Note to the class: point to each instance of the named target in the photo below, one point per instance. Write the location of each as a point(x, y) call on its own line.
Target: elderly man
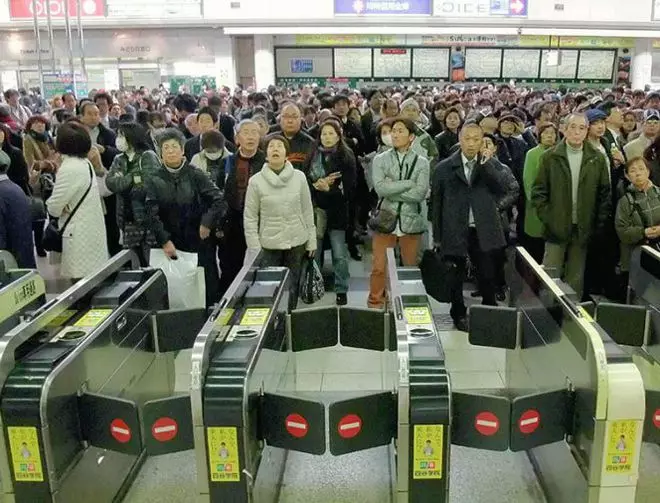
point(424, 145)
point(572, 198)
point(650, 129)
point(300, 143)
point(19, 113)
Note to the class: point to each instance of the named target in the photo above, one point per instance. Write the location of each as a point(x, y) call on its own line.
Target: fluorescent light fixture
point(368, 30)
point(436, 30)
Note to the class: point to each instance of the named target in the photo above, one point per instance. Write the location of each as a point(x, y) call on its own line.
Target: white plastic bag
point(185, 281)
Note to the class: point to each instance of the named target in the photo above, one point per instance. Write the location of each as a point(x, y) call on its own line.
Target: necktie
point(470, 167)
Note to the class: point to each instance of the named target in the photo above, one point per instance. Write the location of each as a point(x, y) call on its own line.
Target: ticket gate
point(21, 292)
point(74, 376)
point(245, 424)
point(574, 400)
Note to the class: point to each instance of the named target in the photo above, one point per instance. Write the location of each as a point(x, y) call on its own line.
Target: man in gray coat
point(466, 189)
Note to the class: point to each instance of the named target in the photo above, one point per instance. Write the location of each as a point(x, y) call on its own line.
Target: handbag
point(384, 220)
point(312, 287)
point(52, 239)
point(439, 275)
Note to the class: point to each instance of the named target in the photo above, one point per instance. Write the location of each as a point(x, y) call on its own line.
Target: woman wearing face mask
point(183, 206)
point(279, 216)
point(126, 178)
point(448, 139)
point(533, 239)
point(211, 159)
point(331, 170)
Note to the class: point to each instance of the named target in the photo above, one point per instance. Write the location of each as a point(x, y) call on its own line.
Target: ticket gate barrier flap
point(541, 326)
point(362, 423)
point(540, 419)
point(168, 425)
point(481, 421)
point(493, 326)
point(110, 423)
point(625, 324)
point(293, 424)
point(652, 421)
point(314, 328)
point(178, 328)
point(362, 328)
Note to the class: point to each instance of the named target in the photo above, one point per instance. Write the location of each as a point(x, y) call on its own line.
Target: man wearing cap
point(15, 219)
point(650, 129)
point(571, 195)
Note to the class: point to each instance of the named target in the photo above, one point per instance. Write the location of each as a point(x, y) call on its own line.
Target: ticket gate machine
point(21, 292)
point(574, 399)
point(245, 424)
point(73, 378)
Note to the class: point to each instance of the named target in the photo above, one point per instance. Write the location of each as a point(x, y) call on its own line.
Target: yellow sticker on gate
point(428, 451)
point(223, 454)
point(224, 317)
point(585, 314)
point(93, 318)
point(255, 316)
point(25, 455)
point(621, 447)
point(62, 318)
point(418, 315)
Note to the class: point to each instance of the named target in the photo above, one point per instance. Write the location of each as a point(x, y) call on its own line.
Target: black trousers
point(292, 259)
point(485, 263)
point(206, 257)
point(231, 252)
point(111, 227)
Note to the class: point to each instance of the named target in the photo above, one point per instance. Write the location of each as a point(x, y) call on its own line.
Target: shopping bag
point(185, 280)
point(439, 275)
point(312, 288)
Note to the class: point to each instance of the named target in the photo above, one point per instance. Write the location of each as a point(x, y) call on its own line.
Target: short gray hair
point(245, 122)
point(171, 134)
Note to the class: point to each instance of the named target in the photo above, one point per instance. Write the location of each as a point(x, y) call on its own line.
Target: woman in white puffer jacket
point(279, 216)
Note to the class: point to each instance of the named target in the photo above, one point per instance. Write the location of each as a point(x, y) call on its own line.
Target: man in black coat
point(185, 105)
point(466, 188)
point(104, 140)
point(370, 120)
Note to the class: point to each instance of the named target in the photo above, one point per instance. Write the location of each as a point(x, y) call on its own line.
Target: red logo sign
point(529, 421)
point(164, 429)
point(656, 418)
point(296, 425)
point(487, 423)
point(120, 431)
point(22, 9)
point(349, 426)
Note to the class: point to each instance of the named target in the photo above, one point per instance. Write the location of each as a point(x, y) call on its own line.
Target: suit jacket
point(453, 196)
point(107, 139)
point(368, 126)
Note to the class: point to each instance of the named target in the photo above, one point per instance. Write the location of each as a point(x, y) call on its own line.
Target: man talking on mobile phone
point(465, 190)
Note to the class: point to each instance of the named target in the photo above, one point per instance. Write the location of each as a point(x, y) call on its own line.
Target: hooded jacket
point(278, 210)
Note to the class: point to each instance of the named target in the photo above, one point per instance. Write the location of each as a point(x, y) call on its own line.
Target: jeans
point(339, 258)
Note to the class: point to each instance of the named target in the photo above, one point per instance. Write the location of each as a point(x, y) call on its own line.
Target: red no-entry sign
point(296, 425)
point(164, 429)
point(529, 421)
point(349, 426)
point(487, 423)
point(120, 431)
point(656, 418)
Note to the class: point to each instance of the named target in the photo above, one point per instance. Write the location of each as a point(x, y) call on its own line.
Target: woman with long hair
point(331, 171)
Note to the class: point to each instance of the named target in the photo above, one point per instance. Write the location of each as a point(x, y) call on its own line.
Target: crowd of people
point(571, 175)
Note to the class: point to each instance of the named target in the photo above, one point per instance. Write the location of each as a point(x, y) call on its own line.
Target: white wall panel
point(252, 10)
point(592, 11)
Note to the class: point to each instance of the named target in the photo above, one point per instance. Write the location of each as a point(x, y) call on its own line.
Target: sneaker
point(41, 253)
point(461, 325)
point(355, 254)
point(341, 299)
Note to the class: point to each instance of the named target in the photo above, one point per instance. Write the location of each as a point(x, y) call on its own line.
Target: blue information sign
point(384, 7)
point(302, 66)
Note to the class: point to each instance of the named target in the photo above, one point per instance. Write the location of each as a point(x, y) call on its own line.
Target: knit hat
point(410, 102)
point(594, 115)
point(651, 115)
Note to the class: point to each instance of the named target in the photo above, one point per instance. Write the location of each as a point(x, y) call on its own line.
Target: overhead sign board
point(155, 9)
point(23, 9)
point(383, 7)
point(480, 8)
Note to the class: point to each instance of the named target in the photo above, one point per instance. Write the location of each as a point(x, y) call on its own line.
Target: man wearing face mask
point(233, 180)
point(211, 160)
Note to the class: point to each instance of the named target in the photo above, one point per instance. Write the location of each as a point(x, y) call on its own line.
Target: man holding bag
point(183, 205)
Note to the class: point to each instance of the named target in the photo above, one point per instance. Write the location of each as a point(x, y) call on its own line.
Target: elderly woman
point(279, 216)
point(183, 207)
point(76, 202)
point(127, 178)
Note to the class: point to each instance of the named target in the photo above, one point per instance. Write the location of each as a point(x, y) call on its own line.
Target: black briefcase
point(439, 275)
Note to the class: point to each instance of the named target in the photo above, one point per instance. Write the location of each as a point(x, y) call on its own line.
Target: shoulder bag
point(383, 220)
point(52, 240)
